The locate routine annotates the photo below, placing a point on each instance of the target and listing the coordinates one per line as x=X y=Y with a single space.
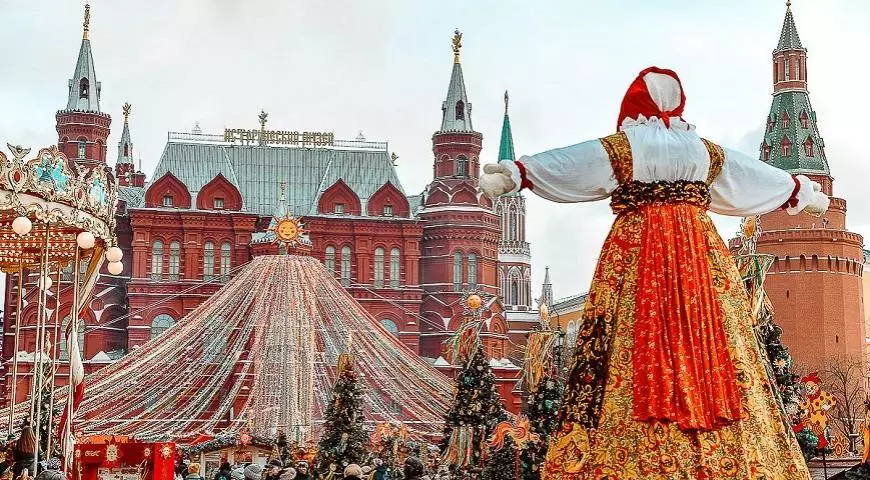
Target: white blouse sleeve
x=747 y=186
x=579 y=173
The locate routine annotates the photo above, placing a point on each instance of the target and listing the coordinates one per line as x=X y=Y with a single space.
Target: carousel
x=57 y=228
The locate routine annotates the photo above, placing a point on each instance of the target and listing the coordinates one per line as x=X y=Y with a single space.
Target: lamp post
x=559 y=349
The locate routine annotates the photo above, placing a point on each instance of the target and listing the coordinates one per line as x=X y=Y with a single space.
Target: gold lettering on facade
x=279 y=137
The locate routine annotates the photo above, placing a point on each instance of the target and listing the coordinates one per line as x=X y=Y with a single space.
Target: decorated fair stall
x=230 y=447
x=122 y=458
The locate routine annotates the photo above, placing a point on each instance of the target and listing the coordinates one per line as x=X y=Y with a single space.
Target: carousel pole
x=54 y=361
x=46 y=277
x=12 y=402
x=73 y=335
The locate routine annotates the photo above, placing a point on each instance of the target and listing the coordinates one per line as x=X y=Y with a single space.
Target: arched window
x=157 y=260
x=390 y=326
x=808 y=147
x=767 y=152
x=787 y=72
x=84 y=88
x=797 y=68
x=345 y=266
x=379 y=267
x=395 y=267
x=174 y=260
x=785 y=147
x=515 y=293
x=160 y=324
x=786 y=120
x=457 y=272
x=126 y=150
x=462 y=166
x=226 y=260
x=512 y=218
x=82 y=150
x=805 y=119
x=460 y=110
x=63 y=352
x=770 y=123
x=472 y=271
x=329 y=259
x=208 y=261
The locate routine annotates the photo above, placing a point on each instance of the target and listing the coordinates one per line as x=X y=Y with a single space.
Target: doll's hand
x=819 y=204
x=496 y=180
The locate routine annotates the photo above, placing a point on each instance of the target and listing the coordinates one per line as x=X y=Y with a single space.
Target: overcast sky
x=383 y=67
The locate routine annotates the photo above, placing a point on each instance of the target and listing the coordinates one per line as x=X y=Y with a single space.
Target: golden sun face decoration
x=288 y=230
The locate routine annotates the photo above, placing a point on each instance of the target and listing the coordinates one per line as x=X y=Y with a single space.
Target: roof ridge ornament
x=87 y=23
x=457 y=45
x=506 y=99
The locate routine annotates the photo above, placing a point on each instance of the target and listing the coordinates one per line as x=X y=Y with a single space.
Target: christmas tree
x=787 y=382
x=475 y=412
x=544 y=390
x=46 y=417
x=503 y=463
x=343 y=439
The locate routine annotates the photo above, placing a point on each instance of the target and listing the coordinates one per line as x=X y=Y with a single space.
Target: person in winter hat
x=253 y=472
x=238 y=473
x=50 y=474
x=683 y=360
x=288 y=473
x=302 y=470
x=353 y=472
x=223 y=472
x=413 y=469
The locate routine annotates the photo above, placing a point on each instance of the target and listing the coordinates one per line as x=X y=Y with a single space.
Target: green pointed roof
x=789 y=38
x=792 y=121
x=506 y=147
x=798 y=130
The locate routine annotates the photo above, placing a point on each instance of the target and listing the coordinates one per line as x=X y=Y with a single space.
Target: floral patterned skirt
x=599 y=436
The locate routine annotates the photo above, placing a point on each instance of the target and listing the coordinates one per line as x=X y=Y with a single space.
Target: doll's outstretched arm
x=578 y=173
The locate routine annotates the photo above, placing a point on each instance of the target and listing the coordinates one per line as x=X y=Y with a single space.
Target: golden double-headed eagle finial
x=87 y=24
x=457 y=45
x=127 y=108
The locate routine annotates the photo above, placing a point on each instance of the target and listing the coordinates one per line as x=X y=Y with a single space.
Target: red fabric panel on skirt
x=683 y=371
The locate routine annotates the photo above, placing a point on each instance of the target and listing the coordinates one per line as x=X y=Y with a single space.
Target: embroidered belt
x=635 y=194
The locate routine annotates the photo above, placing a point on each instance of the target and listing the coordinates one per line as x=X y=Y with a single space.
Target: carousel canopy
x=258 y=356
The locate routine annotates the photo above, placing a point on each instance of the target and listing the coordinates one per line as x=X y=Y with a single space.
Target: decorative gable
x=388 y=201
x=339 y=199
x=219 y=194
x=167 y=192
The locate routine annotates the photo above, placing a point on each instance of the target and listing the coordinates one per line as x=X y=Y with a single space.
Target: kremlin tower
x=815 y=283
x=82 y=128
x=459 y=248
x=514 y=254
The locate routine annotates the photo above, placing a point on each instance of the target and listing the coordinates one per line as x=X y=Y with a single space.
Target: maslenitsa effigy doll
x=667 y=380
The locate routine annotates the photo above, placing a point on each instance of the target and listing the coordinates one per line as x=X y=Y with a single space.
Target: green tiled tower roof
x=792 y=121
x=791 y=137
x=789 y=38
x=506 y=147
